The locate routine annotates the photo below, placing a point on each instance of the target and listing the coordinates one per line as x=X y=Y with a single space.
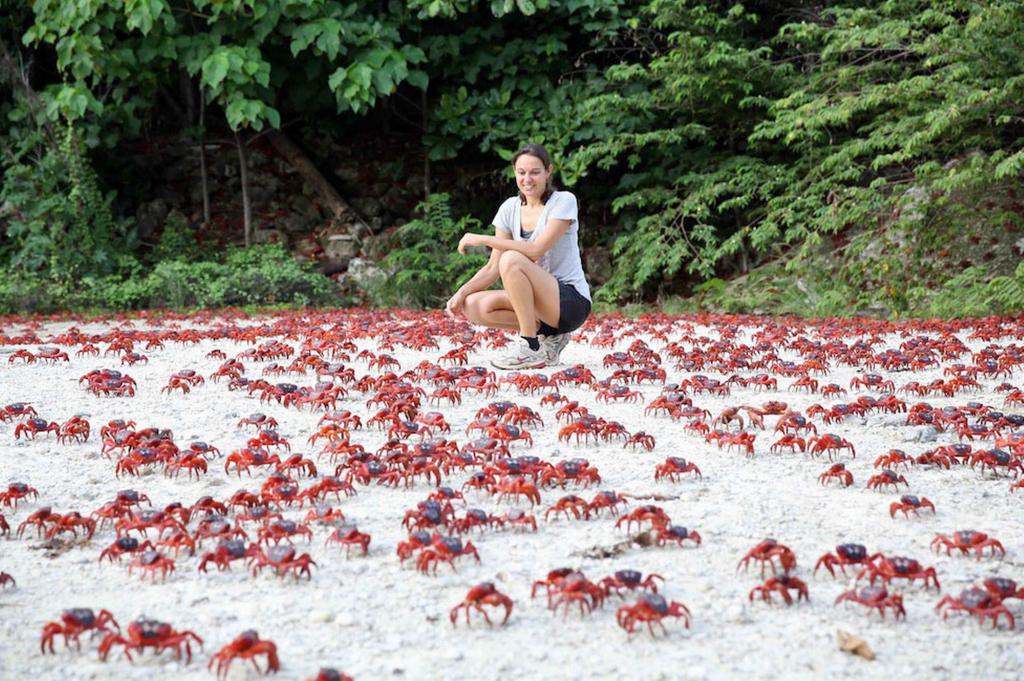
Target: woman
x=535 y=251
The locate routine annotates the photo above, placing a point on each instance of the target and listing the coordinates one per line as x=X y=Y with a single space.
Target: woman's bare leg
x=532 y=291
x=492 y=309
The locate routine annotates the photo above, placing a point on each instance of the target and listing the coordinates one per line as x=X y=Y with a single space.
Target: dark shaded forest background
x=818 y=158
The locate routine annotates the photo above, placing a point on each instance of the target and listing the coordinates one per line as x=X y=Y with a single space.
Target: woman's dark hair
x=541 y=153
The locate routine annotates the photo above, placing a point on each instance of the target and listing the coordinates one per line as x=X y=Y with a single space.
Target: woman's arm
x=485 y=276
x=553 y=231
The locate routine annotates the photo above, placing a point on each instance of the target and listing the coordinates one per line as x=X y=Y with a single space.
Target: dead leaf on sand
x=56 y=546
x=854 y=645
x=612 y=550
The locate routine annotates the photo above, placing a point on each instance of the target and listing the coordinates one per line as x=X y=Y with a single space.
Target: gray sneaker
x=522 y=358
x=553 y=346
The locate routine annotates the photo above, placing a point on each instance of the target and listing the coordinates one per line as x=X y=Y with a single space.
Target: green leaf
x=215 y=69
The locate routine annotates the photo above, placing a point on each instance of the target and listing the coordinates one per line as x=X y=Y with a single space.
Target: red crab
x=48 y=353
x=245 y=458
x=766 y=552
x=507 y=434
x=875 y=597
x=675 y=467
x=606 y=499
x=71 y=522
x=514 y=487
x=475 y=518
x=227 y=550
x=887 y=569
x=886 y=478
x=872 y=381
x=1003 y=588
x=348 y=535
x=268 y=438
x=445 y=549
x=618 y=392
x=846 y=554
x=123 y=545
x=284 y=560
x=479 y=596
x=966 y=540
x=829 y=444
x=40 y=519
x=631 y=580
x=73 y=623
x=75 y=429
x=16 y=410
x=418 y=540
x=675 y=533
x=640 y=438
x=894 y=459
x=651 y=609
x=790 y=442
x=151 y=563
x=978 y=602
x=781 y=585
x=283 y=530
x=836 y=471
x=576 y=470
x=34 y=426
x=143 y=633
x=330 y=674
x=569 y=504
x=246 y=646
x=259 y=421
x=908 y=503
x=995 y=459
x=16 y=491
x=574 y=587
x=648 y=513
x=6 y=579
x=24 y=355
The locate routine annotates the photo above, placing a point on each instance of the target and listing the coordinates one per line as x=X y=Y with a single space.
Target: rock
x=150 y=217
x=304 y=206
x=597 y=263
x=365 y=275
x=348 y=173
x=920 y=434
x=295 y=224
x=321 y=616
x=268 y=236
x=340 y=247
x=376 y=246
x=367 y=207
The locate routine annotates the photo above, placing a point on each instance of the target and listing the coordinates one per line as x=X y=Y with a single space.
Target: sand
x=373 y=617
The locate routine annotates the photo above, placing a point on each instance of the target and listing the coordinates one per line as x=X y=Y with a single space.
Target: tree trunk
x=203 y=173
x=342 y=212
x=244 y=177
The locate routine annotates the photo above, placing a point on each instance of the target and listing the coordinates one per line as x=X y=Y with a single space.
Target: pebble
x=321 y=616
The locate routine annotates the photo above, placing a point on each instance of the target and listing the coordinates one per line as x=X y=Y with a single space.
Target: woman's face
x=531 y=176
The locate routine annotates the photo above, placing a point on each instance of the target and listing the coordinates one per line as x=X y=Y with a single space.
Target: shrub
x=425 y=267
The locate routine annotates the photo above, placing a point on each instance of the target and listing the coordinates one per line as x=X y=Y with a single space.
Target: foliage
x=741 y=137
x=424 y=266
x=261 y=275
x=57 y=219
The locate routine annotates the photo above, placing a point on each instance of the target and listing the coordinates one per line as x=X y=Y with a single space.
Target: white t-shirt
x=562 y=261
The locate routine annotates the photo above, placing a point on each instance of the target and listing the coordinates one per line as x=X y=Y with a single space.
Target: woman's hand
x=470 y=240
x=453 y=308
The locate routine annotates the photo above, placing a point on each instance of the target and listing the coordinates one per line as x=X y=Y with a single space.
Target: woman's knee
x=511 y=260
x=473 y=309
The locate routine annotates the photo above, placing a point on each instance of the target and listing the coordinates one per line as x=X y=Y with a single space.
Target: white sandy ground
x=374 y=619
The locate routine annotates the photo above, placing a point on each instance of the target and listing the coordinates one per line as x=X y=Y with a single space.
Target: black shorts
x=573 y=309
